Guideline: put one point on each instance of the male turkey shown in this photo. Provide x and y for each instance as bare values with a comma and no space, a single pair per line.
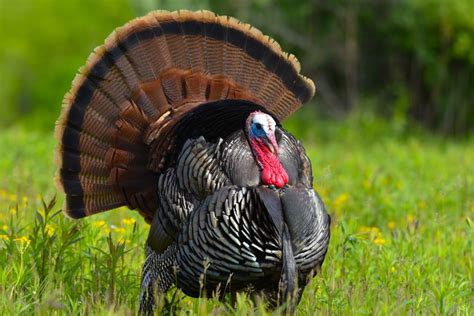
178,116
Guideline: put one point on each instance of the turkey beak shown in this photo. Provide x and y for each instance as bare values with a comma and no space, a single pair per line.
271,143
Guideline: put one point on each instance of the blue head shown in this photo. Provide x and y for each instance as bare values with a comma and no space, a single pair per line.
261,129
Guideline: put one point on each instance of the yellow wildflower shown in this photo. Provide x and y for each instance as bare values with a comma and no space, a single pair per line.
399,185
369,229
379,241
13,210
24,201
341,200
23,240
374,230
98,223
13,197
125,241
410,218
373,233
3,194
4,237
128,221
106,230
391,225
393,269
119,230
49,230
364,229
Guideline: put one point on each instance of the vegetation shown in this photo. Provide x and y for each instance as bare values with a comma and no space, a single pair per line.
408,58
401,197
402,205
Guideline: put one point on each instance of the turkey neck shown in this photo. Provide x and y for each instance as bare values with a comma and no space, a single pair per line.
272,171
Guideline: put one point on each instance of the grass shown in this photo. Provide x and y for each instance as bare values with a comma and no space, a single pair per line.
401,200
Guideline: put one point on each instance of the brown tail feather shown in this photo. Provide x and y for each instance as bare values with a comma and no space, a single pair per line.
116,126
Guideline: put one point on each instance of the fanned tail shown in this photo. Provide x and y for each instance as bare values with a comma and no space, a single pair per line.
117,123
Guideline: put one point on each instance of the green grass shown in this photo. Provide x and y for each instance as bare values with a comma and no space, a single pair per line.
402,204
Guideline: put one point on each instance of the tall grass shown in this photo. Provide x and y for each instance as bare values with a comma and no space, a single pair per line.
402,204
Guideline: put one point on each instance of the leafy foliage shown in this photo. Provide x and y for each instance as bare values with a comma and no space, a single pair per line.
413,60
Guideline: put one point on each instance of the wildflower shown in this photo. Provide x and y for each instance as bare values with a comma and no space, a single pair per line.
374,234
374,230
124,241
364,229
119,230
5,227
4,237
13,197
13,210
393,269
49,230
98,223
412,223
24,201
23,240
391,225
128,221
369,229
341,200
379,241
3,194
399,185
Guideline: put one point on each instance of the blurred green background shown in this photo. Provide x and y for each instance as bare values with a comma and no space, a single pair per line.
411,61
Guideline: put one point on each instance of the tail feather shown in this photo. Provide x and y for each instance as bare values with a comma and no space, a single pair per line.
116,129
170,25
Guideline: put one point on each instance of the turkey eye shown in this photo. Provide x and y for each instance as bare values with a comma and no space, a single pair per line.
258,126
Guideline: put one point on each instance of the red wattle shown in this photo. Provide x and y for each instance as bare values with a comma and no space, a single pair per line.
272,172
266,176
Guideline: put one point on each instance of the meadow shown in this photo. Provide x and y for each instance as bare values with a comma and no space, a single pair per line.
401,201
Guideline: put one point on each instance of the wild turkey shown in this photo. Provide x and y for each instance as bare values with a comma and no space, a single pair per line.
178,116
